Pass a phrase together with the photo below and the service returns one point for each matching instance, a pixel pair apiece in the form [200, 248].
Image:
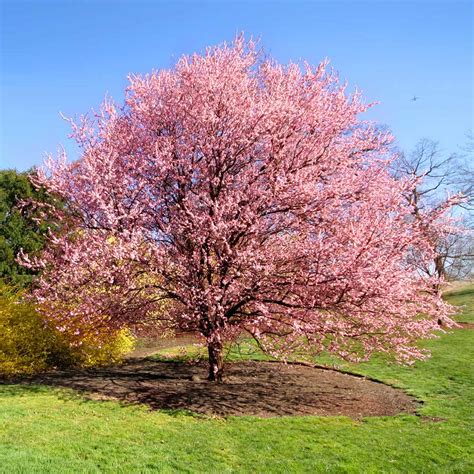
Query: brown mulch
[466, 325]
[263, 389]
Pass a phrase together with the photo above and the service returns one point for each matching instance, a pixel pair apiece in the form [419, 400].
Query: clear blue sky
[65, 55]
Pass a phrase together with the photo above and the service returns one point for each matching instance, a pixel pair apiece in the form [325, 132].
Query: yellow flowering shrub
[29, 345]
[103, 349]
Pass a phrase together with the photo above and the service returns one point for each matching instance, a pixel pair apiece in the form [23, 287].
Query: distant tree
[435, 177]
[249, 197]
[463, 245]
[20, 226]
[464, 178]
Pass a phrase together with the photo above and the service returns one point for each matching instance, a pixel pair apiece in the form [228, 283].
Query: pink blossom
[234, 194]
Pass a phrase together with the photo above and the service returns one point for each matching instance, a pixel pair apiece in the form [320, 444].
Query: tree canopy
[248, 197]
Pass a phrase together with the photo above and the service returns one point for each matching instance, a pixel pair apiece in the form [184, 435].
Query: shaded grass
[49, 430]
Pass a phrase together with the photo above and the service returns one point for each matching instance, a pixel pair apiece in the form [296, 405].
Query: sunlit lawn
[49, 430]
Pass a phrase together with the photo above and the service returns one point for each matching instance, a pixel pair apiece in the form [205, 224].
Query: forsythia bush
[103, 349]
[29, 345]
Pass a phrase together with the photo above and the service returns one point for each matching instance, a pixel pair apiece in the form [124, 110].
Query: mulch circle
[264, 389]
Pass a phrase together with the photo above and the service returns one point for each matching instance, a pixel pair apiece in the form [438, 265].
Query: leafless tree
[439, 176]
[464, 178]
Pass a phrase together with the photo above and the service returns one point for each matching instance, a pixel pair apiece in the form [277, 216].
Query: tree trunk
[216, 362]
[439, 266]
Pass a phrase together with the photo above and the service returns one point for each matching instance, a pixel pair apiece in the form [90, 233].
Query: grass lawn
[50, 430]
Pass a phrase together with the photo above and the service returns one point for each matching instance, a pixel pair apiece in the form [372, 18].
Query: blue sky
[65, 55]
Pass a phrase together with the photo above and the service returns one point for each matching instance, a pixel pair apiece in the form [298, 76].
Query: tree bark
[216, 362]
[439, 266]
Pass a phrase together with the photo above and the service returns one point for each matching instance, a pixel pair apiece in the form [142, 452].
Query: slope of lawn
[49, 430]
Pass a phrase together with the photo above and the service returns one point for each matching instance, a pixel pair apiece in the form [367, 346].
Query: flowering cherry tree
[234, 195]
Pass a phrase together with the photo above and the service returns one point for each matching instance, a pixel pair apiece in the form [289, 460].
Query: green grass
[49, 430]
[464, 297]
[245, 349]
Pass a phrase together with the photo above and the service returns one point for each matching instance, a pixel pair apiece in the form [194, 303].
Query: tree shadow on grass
[10, 389]
[251, 388]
